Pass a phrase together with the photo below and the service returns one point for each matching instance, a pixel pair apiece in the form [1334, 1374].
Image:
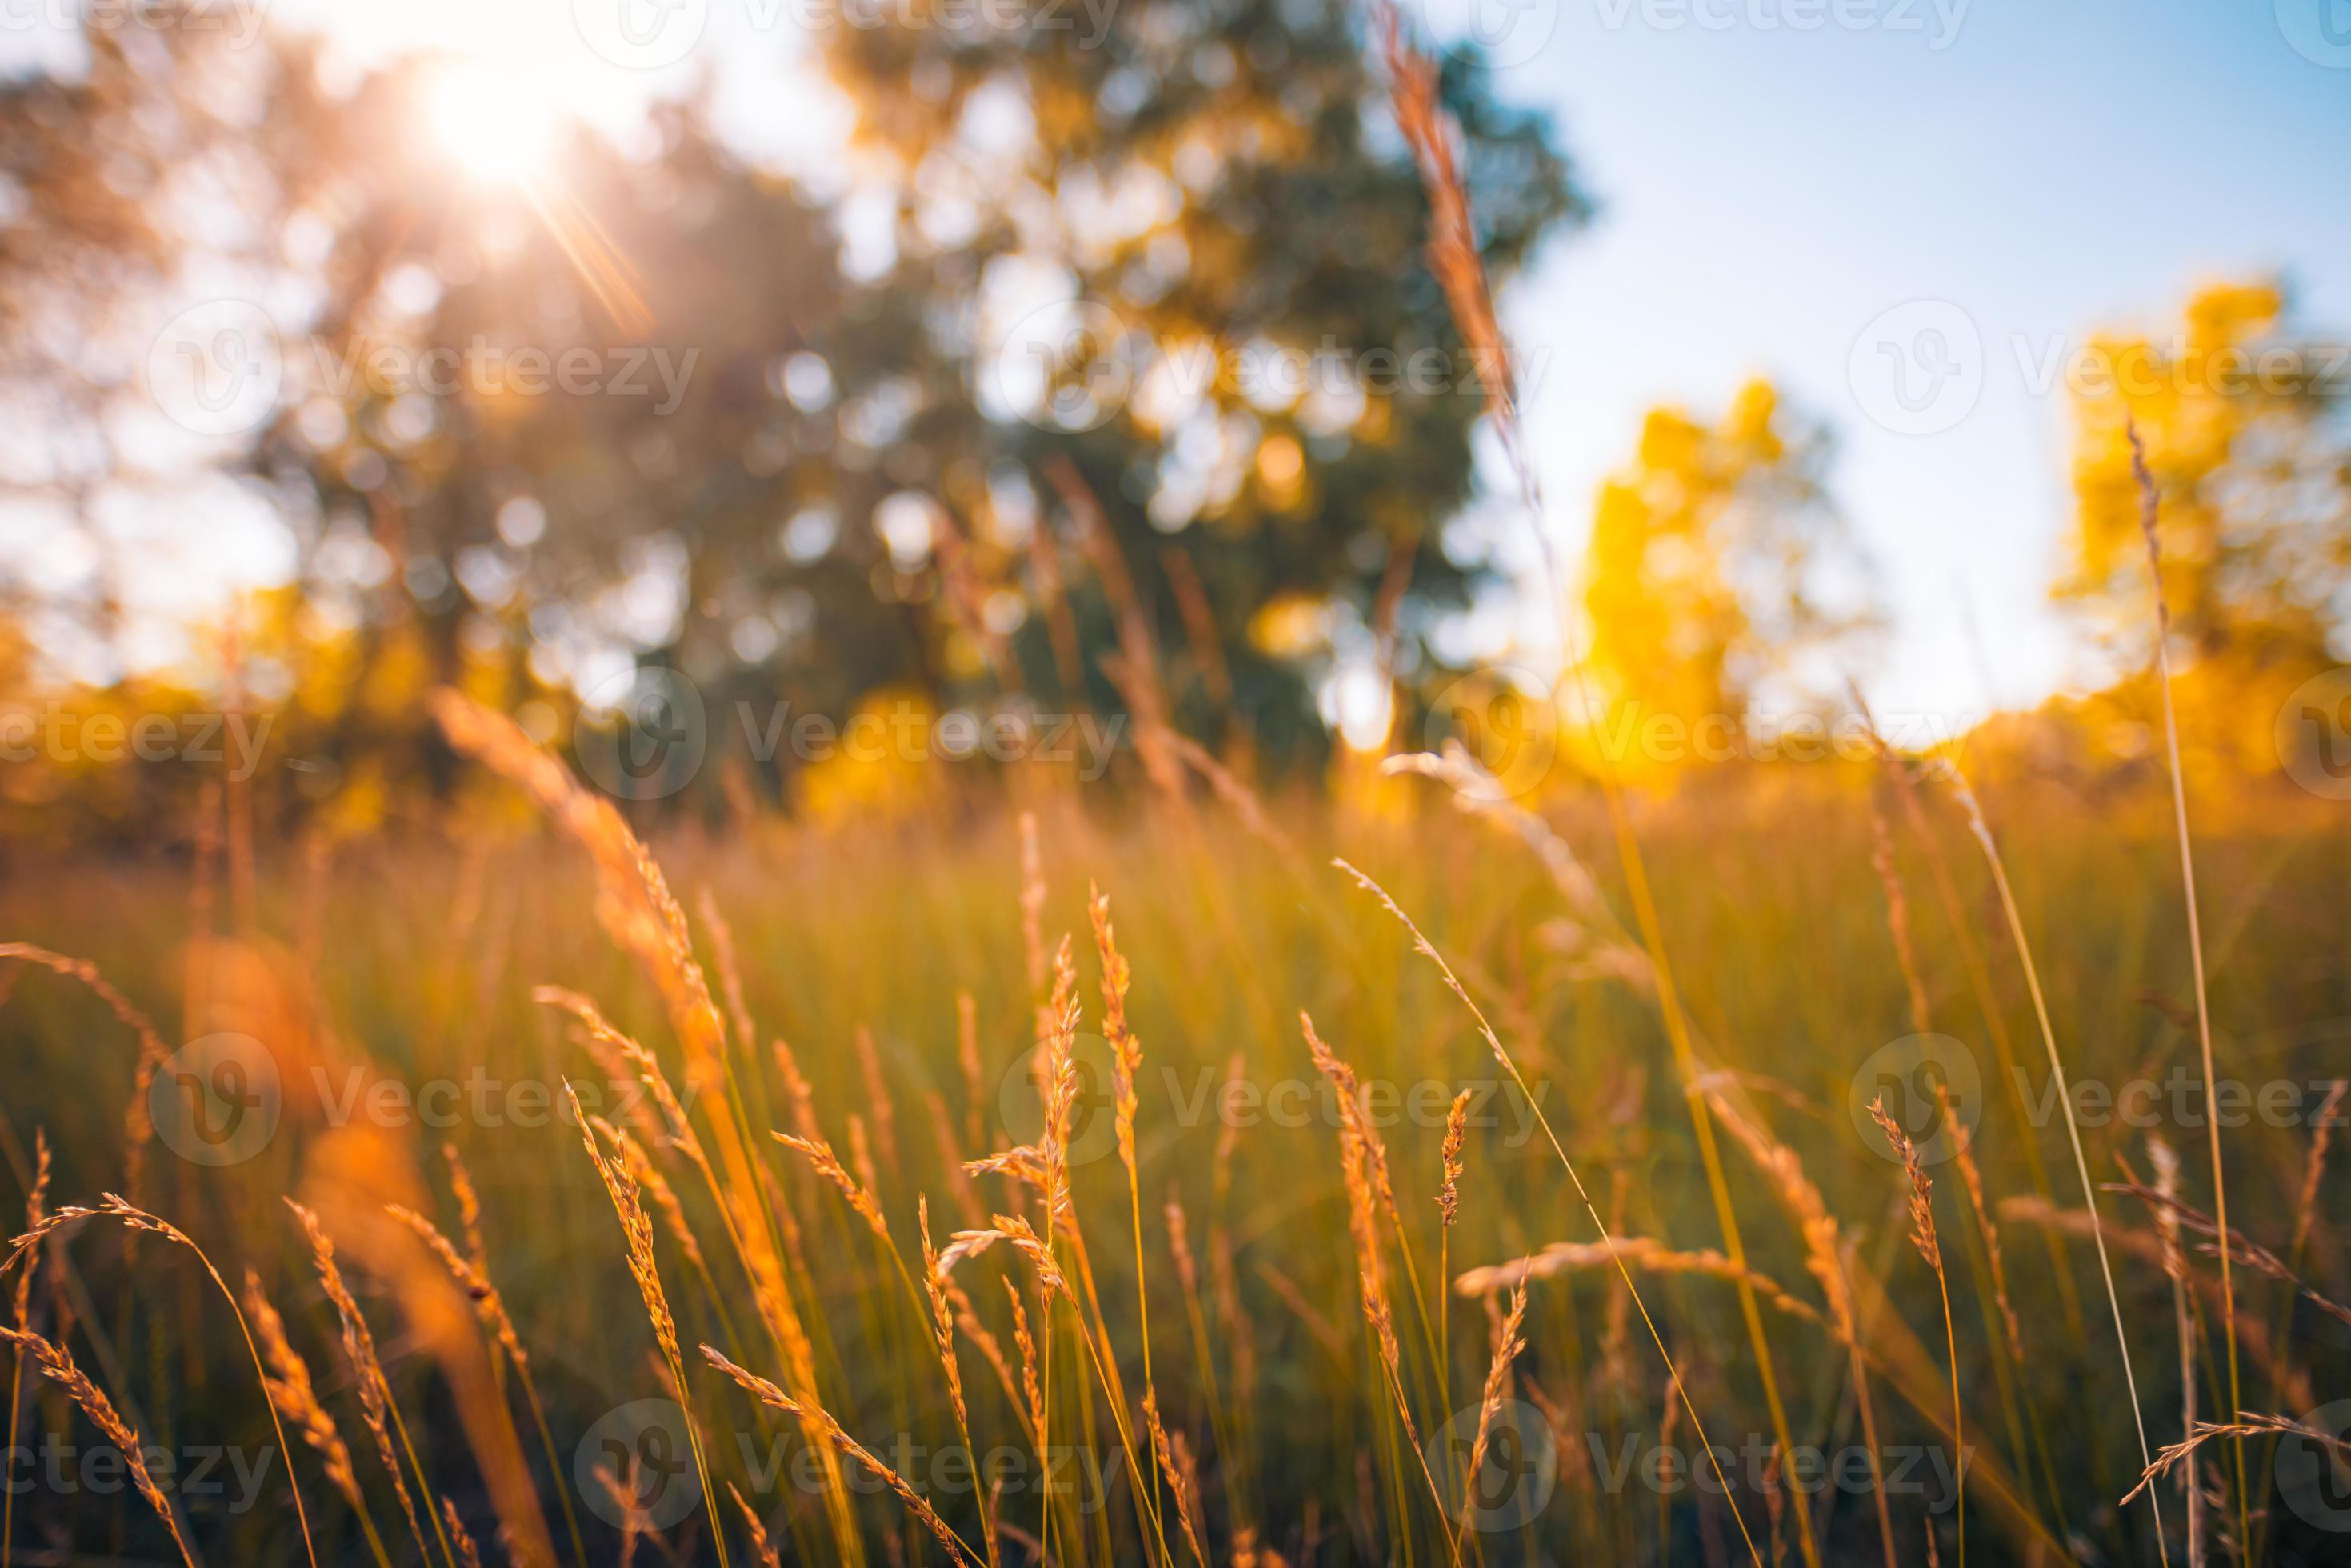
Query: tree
[1179, 262]
[1718, 575]
[844, 497]
[2242, 413]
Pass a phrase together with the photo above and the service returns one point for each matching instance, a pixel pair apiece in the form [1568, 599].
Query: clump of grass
[1510, 1065]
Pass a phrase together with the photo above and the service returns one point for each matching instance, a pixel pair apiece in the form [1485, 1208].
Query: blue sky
[2060, 166]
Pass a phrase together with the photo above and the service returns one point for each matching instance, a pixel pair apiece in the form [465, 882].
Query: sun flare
[499, 123]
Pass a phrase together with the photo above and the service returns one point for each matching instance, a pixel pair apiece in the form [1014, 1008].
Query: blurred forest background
[842, 479]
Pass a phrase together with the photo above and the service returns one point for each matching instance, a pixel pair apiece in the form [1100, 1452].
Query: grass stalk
[2149, 508]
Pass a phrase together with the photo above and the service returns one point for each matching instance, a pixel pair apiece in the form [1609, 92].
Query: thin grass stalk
[22, 1301]
[2001, 1325]
[1930, 1248]
[2149, 506]
[1983, 831]
[1126, 1063]
[1448, 1209]
[1985, 1256]
[1220, 1416]
[1507, 1342]
[761, 1547]
[2175, 1266]
[943, 1327]
[2314, 1179]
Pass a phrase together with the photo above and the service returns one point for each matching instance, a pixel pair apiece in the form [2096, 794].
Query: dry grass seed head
[57, 1363]
[359, 1349]
[296, 1398]
[828, 1165]
[1456, 1131]
[761, 1546]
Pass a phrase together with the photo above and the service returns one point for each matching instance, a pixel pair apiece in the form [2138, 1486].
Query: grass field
[1316, 1387]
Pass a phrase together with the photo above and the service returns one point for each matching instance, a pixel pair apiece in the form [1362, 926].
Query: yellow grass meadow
[1114, 1180]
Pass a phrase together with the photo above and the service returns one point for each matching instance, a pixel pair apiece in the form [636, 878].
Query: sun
[499, 123]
